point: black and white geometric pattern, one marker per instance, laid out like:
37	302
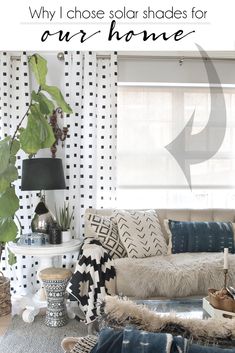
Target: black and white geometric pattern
106	231
94	278
140	233
90	149
14	101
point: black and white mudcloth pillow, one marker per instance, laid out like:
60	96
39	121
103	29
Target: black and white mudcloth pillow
103	229
140	233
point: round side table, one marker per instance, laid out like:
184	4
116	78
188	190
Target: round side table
46	255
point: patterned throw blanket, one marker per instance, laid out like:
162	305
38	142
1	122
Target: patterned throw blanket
93	279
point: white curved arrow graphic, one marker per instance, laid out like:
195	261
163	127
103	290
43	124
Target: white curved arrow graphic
180	146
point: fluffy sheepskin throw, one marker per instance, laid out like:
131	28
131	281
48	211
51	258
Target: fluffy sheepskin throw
119	312
177	275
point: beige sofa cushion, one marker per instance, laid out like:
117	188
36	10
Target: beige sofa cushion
140	233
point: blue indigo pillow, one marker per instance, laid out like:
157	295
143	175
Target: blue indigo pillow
201	236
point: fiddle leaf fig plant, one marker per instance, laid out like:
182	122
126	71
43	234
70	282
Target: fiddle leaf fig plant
37	134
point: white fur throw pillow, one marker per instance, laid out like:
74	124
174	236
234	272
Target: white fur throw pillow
104	230
140	233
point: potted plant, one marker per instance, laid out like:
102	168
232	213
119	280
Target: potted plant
64	218
36	134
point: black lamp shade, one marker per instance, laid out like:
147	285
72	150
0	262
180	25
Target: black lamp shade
42	174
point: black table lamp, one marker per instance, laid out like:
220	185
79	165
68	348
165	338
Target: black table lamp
40	174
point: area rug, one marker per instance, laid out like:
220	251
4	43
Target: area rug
36	337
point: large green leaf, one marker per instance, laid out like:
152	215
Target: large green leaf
11	257
15	146
6	139
46	106
13	160
42	106
9	203
57	96
45	131
48	102
30	142
38	133
8	230
7	177
39	67
4	155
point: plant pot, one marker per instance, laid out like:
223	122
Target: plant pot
66	236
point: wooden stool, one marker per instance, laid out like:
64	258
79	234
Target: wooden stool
55	281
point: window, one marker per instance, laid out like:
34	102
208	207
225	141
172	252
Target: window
149	118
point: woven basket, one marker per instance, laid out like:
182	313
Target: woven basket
226	304
5	296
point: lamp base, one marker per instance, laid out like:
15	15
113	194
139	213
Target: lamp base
42	219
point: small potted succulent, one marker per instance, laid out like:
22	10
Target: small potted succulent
63	219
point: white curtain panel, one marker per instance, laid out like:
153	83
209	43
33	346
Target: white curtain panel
90	86
14	101
90	150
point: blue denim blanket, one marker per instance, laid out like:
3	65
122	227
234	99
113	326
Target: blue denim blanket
131	340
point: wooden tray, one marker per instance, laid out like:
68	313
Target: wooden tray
216	313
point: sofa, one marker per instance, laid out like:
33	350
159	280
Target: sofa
173	275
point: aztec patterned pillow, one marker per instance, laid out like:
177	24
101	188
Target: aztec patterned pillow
200	236
103	229
140	233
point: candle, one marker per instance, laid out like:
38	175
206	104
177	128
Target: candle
225	258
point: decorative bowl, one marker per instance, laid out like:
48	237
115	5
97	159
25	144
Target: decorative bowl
34	239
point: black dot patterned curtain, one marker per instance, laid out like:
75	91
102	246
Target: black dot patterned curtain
90	151
90	86
14	101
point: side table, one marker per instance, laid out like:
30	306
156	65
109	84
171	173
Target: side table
46	254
